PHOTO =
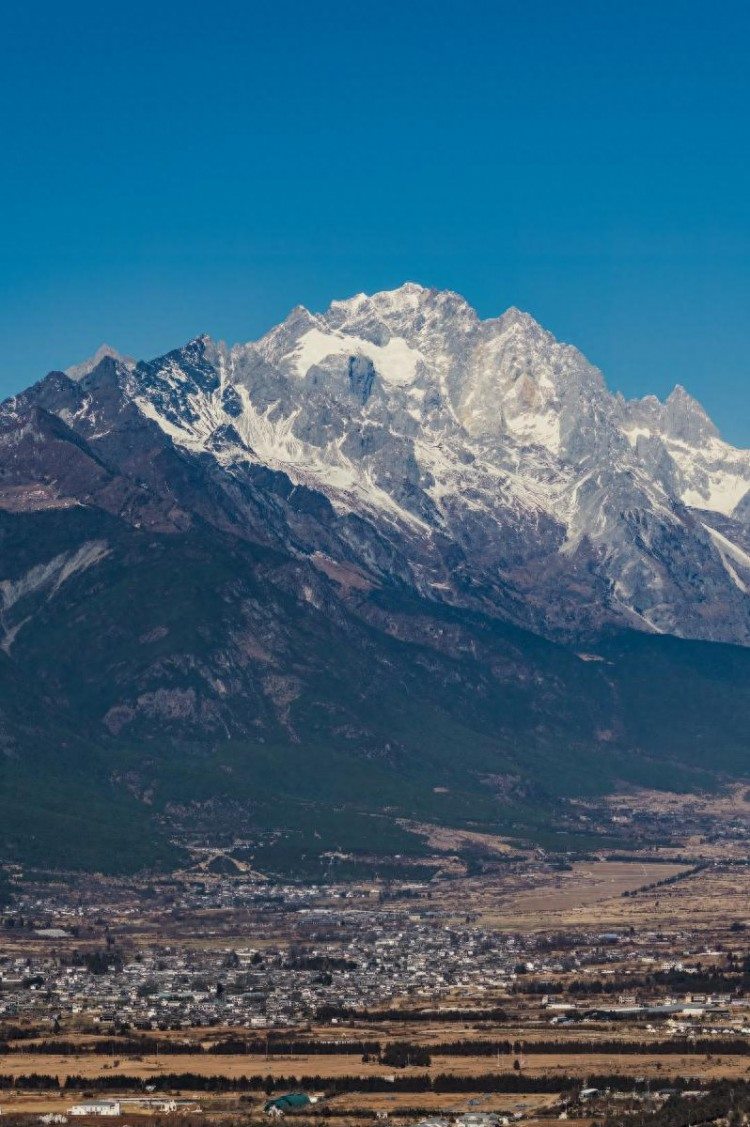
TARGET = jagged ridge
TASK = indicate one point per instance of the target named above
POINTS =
(492, 456)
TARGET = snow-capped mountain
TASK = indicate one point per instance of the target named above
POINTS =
(491, 455)
(391, 555)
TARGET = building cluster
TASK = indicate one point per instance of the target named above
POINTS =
(343, 950)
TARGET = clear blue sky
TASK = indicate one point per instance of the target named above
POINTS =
(174, 168)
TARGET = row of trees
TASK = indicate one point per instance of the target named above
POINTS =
(705, 981)
(664, 882)
(674, 1046)
(230, 1046)
(345, 1013)
(395, 1053)
(273, 1047)
(506, 1082)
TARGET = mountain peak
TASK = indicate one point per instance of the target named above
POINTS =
(515, 318)
(407, 292)
(412, 295)
(409, 311)
(103, 352)
(685, 418)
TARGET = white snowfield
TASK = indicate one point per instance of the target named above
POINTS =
(395, 361)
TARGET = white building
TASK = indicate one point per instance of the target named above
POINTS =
(106, 1107)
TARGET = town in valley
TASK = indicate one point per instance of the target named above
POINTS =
(496, 983)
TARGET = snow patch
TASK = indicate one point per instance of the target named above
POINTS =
(634, 433)
(396, 362)
(722, 493)
(730, 555)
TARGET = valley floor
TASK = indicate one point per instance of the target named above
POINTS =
(504, 984)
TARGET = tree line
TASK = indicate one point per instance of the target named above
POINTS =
(234, 1046)
(510, 1082)
(346, 1013)
(737, 1046)
(688, 981)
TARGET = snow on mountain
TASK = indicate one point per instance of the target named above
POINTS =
(491, 453)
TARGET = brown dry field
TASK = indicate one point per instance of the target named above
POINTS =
(547, 1064)
(590, 892)
(449, 1102)
(730, 805)
(590, 896)
(595, 1064)
(32, 1103)
(588, 884)
(445, 839)
(727, 804)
